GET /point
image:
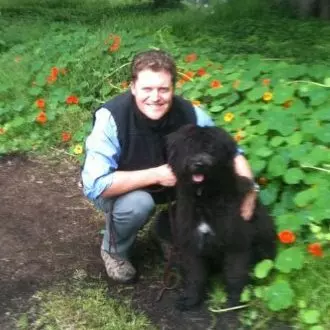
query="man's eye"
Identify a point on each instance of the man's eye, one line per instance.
(147, 89)
(163, 90)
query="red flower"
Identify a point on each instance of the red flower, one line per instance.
(191, 58)
(215, 84)
(72, 99)
(40, 103)
(41, 118)
(2, 131)
(315, 249)
(66, 136)
(114, 41)
(286, 237)
(201, 72)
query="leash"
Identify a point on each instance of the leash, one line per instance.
(170, 278)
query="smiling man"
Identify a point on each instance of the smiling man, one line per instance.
(125, 172)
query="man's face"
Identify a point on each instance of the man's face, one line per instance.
(153, 93)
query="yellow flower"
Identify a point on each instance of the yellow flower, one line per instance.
(267, 96)
(228, 117)
(196, 102)
(78, 149)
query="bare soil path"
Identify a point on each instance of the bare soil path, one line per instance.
(48, 230)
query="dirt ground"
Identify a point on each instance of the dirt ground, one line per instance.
(48, 231)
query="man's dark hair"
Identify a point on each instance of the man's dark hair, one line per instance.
(155, 60)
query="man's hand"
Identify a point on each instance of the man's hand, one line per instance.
(165, 176)
(248, 205)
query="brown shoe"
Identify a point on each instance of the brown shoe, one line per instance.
(118, 269)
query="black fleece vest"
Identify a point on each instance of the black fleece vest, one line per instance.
(141, 139)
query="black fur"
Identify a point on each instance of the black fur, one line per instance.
(209, 191)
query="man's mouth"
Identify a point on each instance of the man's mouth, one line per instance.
(198, 178)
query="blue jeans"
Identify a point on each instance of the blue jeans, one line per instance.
(126, 214)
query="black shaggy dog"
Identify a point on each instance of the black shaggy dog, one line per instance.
(207, 225)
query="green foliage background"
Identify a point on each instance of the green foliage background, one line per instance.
(250, 52)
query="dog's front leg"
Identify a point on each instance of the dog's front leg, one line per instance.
(194, 281)
(236, 268)
(236, 272)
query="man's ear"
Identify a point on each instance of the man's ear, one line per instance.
(133, 88)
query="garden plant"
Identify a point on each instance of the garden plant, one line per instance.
(277, 109)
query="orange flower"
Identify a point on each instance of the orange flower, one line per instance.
(191, 58)
(54, 71)
(216, 84)
(286, 236)
(315, 249)
(66, 136)
(262, 181)
(41, 118)
(236, 83)
(41, 103)
(72, 99)
(124, 84)
(18, 59)
(266, 82)
(2, 131)
(51, 79)
(188, 75)
(196, 102)
(267, 96)
(115, 41)
(287, 104)
(201, 72)
(228, 117)
(238, 136)
(180, 83)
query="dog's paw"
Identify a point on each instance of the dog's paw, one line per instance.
(185, 303)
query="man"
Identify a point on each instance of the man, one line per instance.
(125, 172)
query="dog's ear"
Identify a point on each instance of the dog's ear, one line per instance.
(224, 140)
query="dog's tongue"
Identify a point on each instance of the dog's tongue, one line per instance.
(198, 177)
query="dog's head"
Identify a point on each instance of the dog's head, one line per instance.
(196, 153)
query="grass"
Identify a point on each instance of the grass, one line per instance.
(80, 305)
(36, 35)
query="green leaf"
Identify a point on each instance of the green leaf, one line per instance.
(245, 85)
(277, 166)
(283, 93)
(279, 295)
(305, 197)
(269, 194)
(293, 175)
(311, 316)
(277, 141)
(216, 109)
(289, 259)
(290, 221)
(256, 93)
(263, 268)
(264, 152)
(295, 139)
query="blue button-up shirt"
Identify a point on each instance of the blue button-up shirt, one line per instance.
(103, 151)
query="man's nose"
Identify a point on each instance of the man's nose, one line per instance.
(154, 95)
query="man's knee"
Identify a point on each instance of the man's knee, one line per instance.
(137, 205)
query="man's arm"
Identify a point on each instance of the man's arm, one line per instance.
(242, 168)
(125, 181)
